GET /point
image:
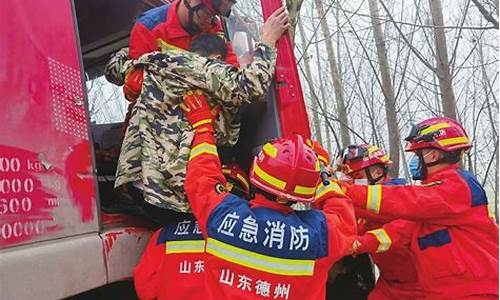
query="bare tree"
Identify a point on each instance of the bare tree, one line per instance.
(486, 14)
(387, 89)
(307, 67)
(323, 93)
(442, 63)
(337, 82)
(293, 8)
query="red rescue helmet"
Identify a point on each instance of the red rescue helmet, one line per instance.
(237, 180)
(440, 133)
(287, 168)
(359, 157)
(321, 152)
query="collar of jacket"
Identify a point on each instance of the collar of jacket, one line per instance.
(261, 201)
(441, 174)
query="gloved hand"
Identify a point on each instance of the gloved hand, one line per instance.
(198, 111)
(133, 85)
(367, 243)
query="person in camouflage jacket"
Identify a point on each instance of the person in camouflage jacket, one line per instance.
(157, 143)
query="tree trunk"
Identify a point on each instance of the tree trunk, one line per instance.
(324, 101)
(314, 100)
(337, 83)
(442, 65)
(387, 89)
(293, 8)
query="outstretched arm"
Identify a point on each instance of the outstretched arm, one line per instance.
(177, 71)
(442, 199)
(340, 218)
(205, 182)
(397, 232)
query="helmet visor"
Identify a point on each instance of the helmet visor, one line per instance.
(415, 134)
(353, 152)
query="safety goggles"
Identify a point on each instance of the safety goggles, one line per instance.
(353, 152)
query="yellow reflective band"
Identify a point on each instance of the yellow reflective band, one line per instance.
(373, 198)
(332, 187)
(203, 148)
(164, 46)
(269, 178)
(189, 246)
(383, 238)
(321, 190)
(491, 211)
(336, 187)
(434, 127)
(372, 149)
(304, 190)
(202, 122)
(257, 261)
(384, 158)
(454, 141)
(318, 167)
(323, 159)
(270, 150)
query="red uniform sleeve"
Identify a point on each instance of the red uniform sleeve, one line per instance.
(361, 225)
(370, 216)
(341, 221)
(341, 226)
(146, 279)
(205, 182)
(397, 232)
(142, 40)
(439, 200)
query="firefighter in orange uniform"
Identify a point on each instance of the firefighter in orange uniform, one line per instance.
(176, 24)
(264, 249)
(454, 241)
(398, 274)
(174, 257)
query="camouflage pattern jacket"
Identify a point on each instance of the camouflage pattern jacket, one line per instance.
(158, 140)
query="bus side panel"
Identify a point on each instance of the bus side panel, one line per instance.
(47, 186)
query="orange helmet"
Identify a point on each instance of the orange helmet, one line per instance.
(237, 180)
(287, 168)
(359, 157)
(441, 133)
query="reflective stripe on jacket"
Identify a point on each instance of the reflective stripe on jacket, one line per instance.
(262, 249)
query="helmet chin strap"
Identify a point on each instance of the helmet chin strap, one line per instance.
(372, 180)
(191, 27)
(448, 157)
(423, 166)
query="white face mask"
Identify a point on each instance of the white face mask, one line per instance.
(363, 181)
